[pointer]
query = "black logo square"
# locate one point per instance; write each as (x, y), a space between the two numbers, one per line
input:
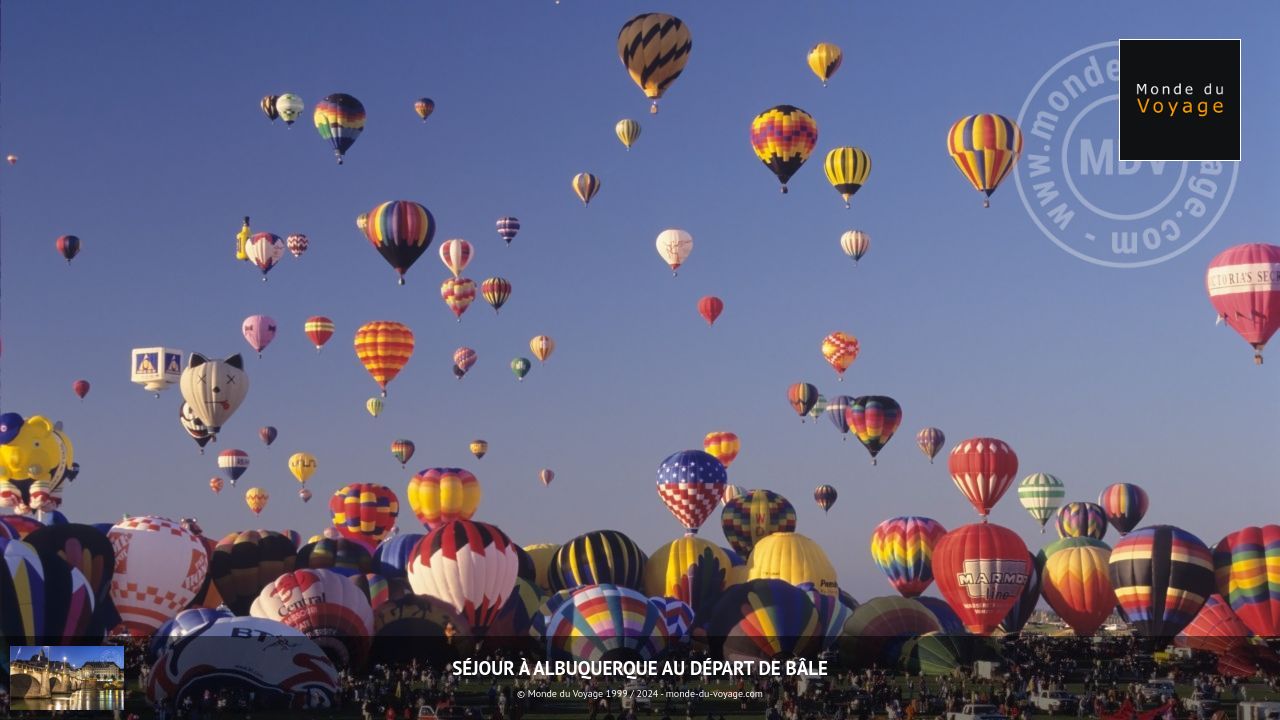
(1180, 100)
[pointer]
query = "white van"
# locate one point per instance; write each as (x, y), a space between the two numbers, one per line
(1258, 711)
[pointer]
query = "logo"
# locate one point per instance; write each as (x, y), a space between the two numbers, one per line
(1180, 100)
(997, 579)
(1103, 210)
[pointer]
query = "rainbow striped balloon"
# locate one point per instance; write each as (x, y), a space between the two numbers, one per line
(1125, 505)
(1247, 565)
(1162, 576)
(903, 548)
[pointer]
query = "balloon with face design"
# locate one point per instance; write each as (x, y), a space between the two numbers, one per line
(214, 389)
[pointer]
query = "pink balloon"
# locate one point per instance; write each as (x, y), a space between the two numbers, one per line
(259, 331)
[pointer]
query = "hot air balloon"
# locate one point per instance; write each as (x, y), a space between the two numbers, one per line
(1247, 568)
(256, 499)
(690, 483)
(690, 569)
(981, 570)
(903, 548)
(825, 496)
(855, 244)
(628, 131)
(215, 484)
(400, 230)
(520, 366)
(267, 434)
(326, 607)
(802, 397)
(1076, 582)
(783, 138)
(585, 185)
(1041, 494)
(710, 307)
(289, 106)
(819, 407)
(194, 427)
(440, 495)
(84, 549)
(1082, 519)
(507, 228)
(930, 440)
(763, 620)
(424, 107)
(837, 412)
(495, 291)
(183, 624)
(214, 389)
(824, 60)
(243, 563)
(1244, 287)
(1162, 576)
(1025, 606)
(334, 552)
(983, 469)
(472, 566)
(302, 465)
(258, 331)
(754, 515)
(456, 255)
(68, 247)
(384, 348)
(1216, 629)
(233, 464)
(80, 388)
(654, 48)
(304, 494)
(268, 106)
(364, 512)
(840, 350)
(794, 558)
(374, 406)
(319, 329)
(985, 147)
(542, 346)
(1125, 505)
(12, 159)
(874, 418)
(339, 119)
(264, 250)
(458, 294)
(402, 450)
(478, 448)
(722, 445)
(674, 246)
(545, 476)
(847, 170)
(297, 244)
(607, 621)
(46, 597)
(598, 557)
(878, 630)
(159, 566)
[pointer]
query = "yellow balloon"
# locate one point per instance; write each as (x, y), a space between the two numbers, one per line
(667, 572)
(374, 406)
(824, 60)
(542, 347)
(793, 558)
(256, 499)
(241, 238)
(479, 448)
(302, 465)
(542, 554)
(628, 131)
(654, 47)
(439, 495)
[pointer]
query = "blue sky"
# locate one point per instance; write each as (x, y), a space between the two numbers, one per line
(138, 129)
(77, 655)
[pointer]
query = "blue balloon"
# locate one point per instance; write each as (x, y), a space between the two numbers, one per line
(693, 467)
(391, 557)
(10, 425)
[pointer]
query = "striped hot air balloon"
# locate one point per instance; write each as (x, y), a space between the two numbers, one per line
(874, 418)
(401, 231)
(595, 558)
(1125, 505)
(585, 185)
(902, 547)
(690, 483)
(802, 396)
(1082, 519)
(384, 348)
(1041, 494)
(364, 513)
(1076, 582)
(507, 228)
(402, 450)
(1162, 576)
(495, 291)
(825, 496)
(654, 47)
(458, 294)
(847, 169)
(722, 445)
(440, 495)
(1247, 567)
(339, 118)
(985, 148)
(930, 440)
(319, 329)
(983, 469)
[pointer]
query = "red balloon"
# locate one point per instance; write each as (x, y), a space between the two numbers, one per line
(1244, 287)
(80, 388)
(710, 308)
(981, 570)
(983, 468)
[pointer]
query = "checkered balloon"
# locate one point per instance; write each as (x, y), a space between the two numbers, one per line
(690, 483)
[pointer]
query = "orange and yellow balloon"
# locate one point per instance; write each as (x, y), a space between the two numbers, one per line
(256, 499)
(985, 148)
(441, 495)
(840, 349)
(384, 348)
(722, 445)
(542, 346)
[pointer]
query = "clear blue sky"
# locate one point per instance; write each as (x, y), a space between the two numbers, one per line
(77, 655)
(138, 129)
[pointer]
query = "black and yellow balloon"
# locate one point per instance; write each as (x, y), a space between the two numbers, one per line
(824, 60)
(654, 47)
(599, 557)
(847, 169)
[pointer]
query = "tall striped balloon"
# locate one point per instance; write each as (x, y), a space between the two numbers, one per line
(930, 440)
(1162, 576)
(1247, 566)
(1082, 519)
(985, 148)
(1041, 494)
(847, 169)
(1125, 505)
(495, 291)
(875, 418)
(507, 228)
(983, 468)
(401, 231)
(596, 558)
(837, 413)
(339, 118)
(902, 547)
(384, 348)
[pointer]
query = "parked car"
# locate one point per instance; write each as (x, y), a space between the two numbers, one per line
(1054, 702)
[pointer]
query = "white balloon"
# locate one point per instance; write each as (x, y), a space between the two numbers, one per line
(674, 246)
(214, 389)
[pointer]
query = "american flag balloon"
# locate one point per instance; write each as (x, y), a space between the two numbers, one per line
(690, 483)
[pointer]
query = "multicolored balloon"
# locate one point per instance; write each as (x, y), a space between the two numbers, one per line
(654, 47)
(983, 469)
(374, 406)
(256, 499)
(456, 254)
(267, 434)
(722, 445)
(495, 291)
(507, 228)
(364, 513)
(441, 495)
(847, 170)
(1041, 494)
(585, 185)
(754, 515)
(326, 607)
(840, 350)
(401, 231)
(424, 107)
(689, 569)
(215, 484)
(478, 448)
(542, 346)
(985, 148)
(159, 567)
(1076, 582)
(690, 483)
(1125, 505)
(264, 250)
(1244, 286)
(930, 440)
(1247, 570)
(458, 293)
(463, 359)
(233, 463)
(824, 59)
(595, 558)
(981, 570)
(297, 244)
(802, 396)
(783, 138)
(402, 450)
(318, 329)
(628, 131)
(825, 496)
(1162, 576)
(289, 106)
(1082, 519)
(607, 621)
(384, 348)
(902, 547)
(763, 620)
(874, 418)
(68, 247)
(339, 118)
(268, 105)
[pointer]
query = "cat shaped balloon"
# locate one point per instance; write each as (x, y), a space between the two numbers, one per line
(214, 388)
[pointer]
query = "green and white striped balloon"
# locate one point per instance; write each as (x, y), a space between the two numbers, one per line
(1041, 494)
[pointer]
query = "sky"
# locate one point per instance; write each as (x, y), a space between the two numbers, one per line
(76, 655)
(138, 129)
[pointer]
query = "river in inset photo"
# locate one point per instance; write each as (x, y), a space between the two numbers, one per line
(78, 700)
